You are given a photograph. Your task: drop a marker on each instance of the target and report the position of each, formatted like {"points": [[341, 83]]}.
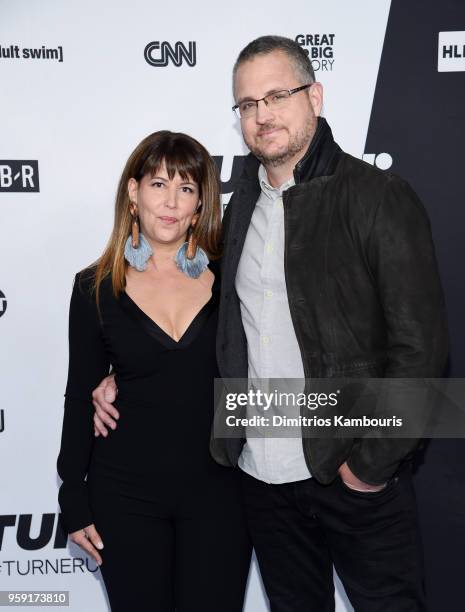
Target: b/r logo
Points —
{"points": [[2, 304], [167, 53], [19, 175]]}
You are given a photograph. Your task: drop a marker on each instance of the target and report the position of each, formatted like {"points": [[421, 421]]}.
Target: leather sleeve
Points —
{"points": [[401, 255]]}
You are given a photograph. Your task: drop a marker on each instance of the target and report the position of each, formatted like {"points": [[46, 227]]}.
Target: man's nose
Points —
{"points": [[263, 112]]}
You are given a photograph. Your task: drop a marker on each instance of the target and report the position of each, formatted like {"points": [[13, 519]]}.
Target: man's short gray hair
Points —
{"points": [[267, 44]]}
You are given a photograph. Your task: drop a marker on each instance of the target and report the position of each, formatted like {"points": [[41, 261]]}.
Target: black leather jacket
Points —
{"points": [[363, 288]]}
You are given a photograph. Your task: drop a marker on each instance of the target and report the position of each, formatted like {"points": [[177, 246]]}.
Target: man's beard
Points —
{"points": [[298, 143]]}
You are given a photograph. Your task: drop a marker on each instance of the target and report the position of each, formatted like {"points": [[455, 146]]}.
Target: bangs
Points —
{"points": [[179, 153]]}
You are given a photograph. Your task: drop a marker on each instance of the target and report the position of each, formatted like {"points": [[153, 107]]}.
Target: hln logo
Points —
{"points": [[19, 175], [166, 53], [451, 52]]}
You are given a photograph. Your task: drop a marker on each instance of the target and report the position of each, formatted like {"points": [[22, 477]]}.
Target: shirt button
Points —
{"points": [[265, 339], [279, 203], [268, 293], [269, 247]]}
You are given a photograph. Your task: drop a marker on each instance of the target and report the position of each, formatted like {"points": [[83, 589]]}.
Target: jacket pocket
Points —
{"points": [[360, 368]]}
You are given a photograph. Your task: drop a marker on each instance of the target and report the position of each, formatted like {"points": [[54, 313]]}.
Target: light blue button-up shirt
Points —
{"points": [[273, 350]]}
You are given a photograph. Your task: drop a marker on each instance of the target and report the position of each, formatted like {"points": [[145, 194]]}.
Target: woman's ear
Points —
{"points": [[132, 190]]}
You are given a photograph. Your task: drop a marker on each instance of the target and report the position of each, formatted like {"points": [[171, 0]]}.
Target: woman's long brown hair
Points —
{"points": [[185, 155]]}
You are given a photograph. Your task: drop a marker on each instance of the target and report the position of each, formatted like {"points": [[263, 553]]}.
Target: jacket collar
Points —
{"points": [[320, 159]]}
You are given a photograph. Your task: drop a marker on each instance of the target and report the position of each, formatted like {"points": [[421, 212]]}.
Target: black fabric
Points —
{"points": [[299, 529], [363, 289], [151, 487], [322, 156], [173, 552]]}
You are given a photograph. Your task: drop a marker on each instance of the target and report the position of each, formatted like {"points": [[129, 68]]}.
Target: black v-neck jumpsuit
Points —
{"points": [[170, 518]]}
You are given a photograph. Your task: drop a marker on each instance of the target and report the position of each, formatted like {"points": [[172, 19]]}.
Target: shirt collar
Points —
{"points": [[267, 189]]}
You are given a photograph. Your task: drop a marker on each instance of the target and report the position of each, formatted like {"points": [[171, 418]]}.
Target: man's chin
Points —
{"points": [[273, 157]]}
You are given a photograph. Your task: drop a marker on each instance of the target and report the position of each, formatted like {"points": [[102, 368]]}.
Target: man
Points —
{"points": [[328, 270]]}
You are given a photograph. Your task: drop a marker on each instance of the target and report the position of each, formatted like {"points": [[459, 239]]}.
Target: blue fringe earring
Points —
{"points": [[137, 251], [190, 258]]}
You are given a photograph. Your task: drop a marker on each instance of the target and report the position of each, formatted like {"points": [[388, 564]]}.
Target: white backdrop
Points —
{"points": [[79, 119]]}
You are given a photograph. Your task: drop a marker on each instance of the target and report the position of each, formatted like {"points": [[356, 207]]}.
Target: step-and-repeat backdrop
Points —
{"points": [[81, 84]]}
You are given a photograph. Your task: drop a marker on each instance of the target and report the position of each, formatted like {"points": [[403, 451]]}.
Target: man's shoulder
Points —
{"points": [[368, 183], [251, 166], [249, 173], [369, 188], [355, 169], [247, 184]]}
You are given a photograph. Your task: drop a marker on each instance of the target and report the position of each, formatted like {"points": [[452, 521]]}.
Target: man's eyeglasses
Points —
{"points": [[247, 108]]}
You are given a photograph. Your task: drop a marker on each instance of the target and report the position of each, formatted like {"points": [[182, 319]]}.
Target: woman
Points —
{"points": [[161, 517]]}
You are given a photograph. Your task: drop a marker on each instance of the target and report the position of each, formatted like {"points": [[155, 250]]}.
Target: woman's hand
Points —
{"points": [[89, 540], [102, 398]]}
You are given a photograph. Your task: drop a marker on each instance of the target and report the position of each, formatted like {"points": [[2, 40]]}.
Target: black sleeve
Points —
{"points": [[88, 364], [402, 256], [403, 261]]}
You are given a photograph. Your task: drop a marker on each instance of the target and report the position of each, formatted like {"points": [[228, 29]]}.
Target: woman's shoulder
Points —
{"points": [[85, 282], [86, 276]]}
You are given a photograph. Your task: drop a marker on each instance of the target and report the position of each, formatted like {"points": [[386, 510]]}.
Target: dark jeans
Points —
{"points": [[299, 530]]}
